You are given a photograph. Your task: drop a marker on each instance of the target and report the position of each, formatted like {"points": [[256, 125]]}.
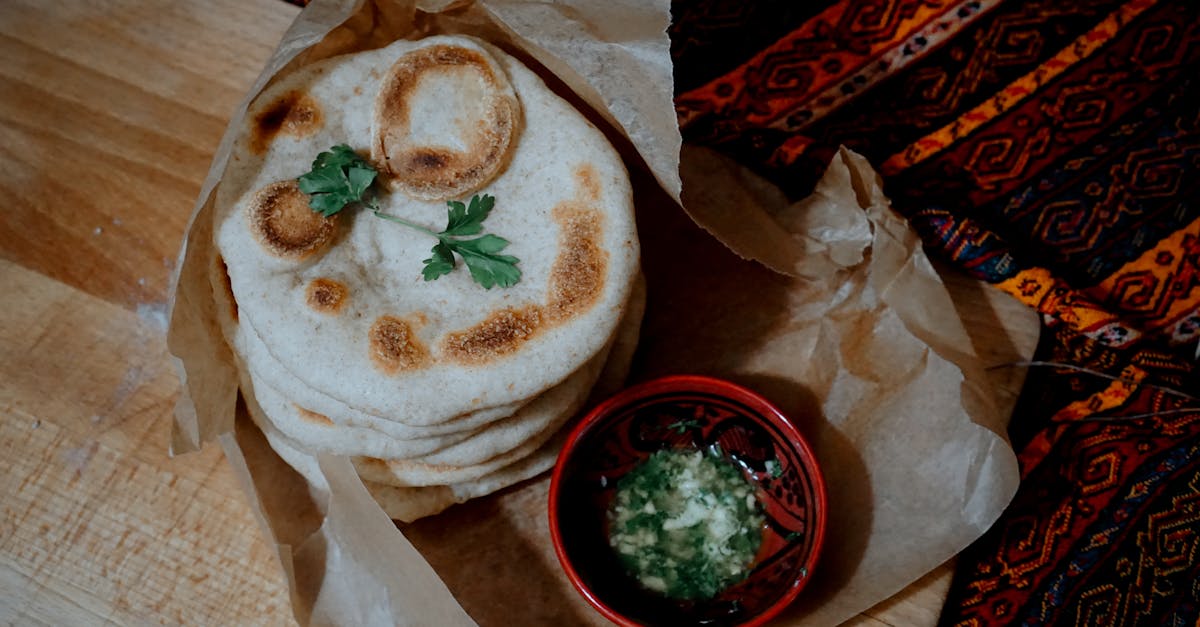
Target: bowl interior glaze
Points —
{"points": [[688, 412]]}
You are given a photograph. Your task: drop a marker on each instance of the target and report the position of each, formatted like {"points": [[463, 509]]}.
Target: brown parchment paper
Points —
{"points": [[853, 334]]}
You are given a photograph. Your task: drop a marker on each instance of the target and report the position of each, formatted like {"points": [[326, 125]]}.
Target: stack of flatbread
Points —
{"points": [[438, 391]]}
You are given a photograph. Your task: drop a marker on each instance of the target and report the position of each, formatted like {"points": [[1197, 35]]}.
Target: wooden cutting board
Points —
{"points": [[109, 113]]}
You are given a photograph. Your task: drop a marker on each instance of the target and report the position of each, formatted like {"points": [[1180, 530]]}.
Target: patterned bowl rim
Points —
{"points": [[689, 383]]}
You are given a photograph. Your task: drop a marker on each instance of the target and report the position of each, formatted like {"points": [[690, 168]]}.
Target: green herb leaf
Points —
{"points": [[485, 245], [327, 204], [456, 215], [360, 180], [339, 177], [468, 220], [487, 268], [323, 181], [336, 156], [442, 262]]}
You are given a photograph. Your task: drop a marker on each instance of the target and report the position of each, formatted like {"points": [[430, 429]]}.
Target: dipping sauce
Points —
{"points": [[686, 523]]}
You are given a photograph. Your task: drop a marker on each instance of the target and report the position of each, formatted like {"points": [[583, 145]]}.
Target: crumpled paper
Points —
{"points": [[853, 334], [862, 346]]}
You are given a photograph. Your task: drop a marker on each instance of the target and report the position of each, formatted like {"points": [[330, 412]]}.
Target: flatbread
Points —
{"points": [[340, 305], [405, 503], [268, 370], [319, 433], [318, 407], [408, 503], [437, 391], [310, 418]]}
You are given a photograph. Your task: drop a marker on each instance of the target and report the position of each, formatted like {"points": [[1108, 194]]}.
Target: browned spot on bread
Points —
{"points": [[282, 221], [293, 113], [394, 347], [314, 417], [589, 184], [429, 159], [577, 276], [437, 173], [502, 332], [326, 296], [227, 283], [576, 283]]}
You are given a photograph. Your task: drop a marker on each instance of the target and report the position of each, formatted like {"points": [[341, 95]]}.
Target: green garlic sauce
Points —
{"points": [[686, 524]]}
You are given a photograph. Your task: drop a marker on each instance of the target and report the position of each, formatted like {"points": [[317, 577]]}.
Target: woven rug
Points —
{"points": [[1052, 149]]}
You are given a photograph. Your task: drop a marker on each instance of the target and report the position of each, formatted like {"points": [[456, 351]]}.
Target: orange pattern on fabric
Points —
{"points": [[1161, 286], [1040, 289], [1111, 397], [1082, 48], [779, 101], [1039, 544], [1036, 450], [903, 53], [790, 150]]}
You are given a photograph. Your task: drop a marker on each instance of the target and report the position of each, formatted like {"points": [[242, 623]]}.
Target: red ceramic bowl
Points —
{"points": [[687, 412]]}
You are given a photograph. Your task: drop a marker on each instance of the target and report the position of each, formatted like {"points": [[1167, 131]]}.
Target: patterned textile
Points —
{"points": [[1052, 149]]}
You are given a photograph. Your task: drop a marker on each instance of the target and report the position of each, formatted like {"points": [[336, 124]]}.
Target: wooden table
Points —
{"points": [[109, 113]]}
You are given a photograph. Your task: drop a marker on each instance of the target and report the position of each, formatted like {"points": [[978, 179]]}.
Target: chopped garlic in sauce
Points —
{"points": [[686, 524]]}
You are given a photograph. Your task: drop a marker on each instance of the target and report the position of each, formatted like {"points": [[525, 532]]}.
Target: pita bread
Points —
{"points": [[339, 303], [404, 503], [437, 391], [319, 433], [408, 503], [319, 408], [275, 375], [411, 503], [312, 419]]}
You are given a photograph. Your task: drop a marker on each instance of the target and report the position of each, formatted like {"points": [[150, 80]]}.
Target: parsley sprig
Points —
{"points": [[340, 178]]}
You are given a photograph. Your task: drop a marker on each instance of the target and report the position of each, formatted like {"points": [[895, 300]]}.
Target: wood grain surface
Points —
{"points": [[109, 113]]}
